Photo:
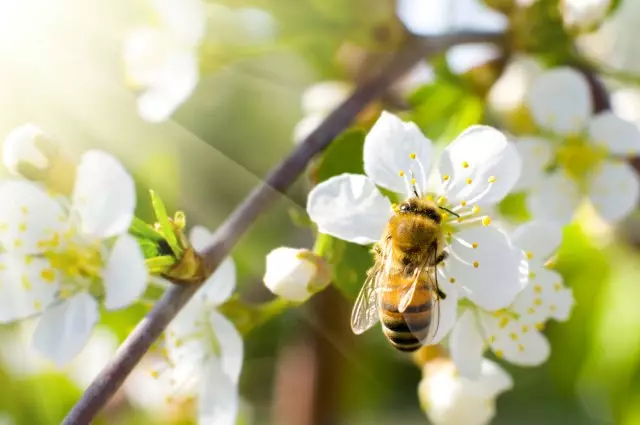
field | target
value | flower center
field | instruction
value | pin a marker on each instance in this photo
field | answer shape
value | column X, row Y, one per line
column 579, row 157
column 79, row 261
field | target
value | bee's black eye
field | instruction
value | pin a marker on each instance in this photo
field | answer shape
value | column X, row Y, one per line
column 405, row 208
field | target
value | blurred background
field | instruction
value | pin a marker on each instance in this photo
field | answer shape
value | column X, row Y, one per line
column 61, row 67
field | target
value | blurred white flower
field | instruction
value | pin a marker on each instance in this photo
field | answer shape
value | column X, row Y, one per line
column 583, row 14
column 450, row 399
column 318, row 101
column 476, row 171
column 514, row 333
column 59, row 259
column 295, row 274
column 26, row 145
column 510, row 90
column 162, row 60
column 583, row 155
column 6, row 419
column 204, row 348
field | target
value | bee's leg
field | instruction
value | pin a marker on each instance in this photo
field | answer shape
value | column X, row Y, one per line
column 441, row 257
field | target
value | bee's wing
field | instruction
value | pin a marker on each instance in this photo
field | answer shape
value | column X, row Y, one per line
column 365, row 311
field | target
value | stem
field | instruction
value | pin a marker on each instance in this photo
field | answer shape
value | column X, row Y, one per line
column 261, row 198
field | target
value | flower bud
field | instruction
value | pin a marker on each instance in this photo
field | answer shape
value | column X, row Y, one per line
column 448, row 398
column 27, row 148
column 30, row 153
column 295, row 274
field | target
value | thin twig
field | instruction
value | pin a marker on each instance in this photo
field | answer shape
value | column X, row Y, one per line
column 276, row 183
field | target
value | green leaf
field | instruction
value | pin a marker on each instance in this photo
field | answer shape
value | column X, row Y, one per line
column 514, row 207
column 142, row 230
column 163, row 219
column 344, row 155
column 149, row 248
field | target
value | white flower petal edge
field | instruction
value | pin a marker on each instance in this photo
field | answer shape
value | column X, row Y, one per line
column 392, row 147
column 288, row 273
column 231, row 346
column 538, row 239
column 20, row 146
column 467, row 346
column 65, row 328
column 200, row 237
column 349, row 207
column 618, row 136
column 125, row 276
column 325, row 96
column 535, row 153
column 27, row 216
column 492, row 273
column 480, row 166
column 220, row 285
column 104, row 195
column 218, row 399
column 555, row 199
column 560, row 100
column 614, row 190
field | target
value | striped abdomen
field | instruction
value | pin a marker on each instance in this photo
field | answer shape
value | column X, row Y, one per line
column 408, row 330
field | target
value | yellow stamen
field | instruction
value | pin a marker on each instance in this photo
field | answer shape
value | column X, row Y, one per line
column 529, row 255
column 465, row 164
column 469, row 181
column 412, row 155
column 492, row 179
column 476, row 264
column 486, row 220
column 474, row 245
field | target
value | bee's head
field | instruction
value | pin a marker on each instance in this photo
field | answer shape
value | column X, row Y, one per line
column 421, row 207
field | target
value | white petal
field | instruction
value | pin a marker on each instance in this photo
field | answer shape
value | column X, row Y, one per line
column 289, row 272
column 349, row 207
column 535, row 153
column 306, row 126
column 388, row 149
column 218, row 400
column 560, row 100
column 24, row 291
column 517, row 342
column 481, row 166
column 230, row 343
column 21, row 146
column 545, row 297
column 220, row 285
column 538, row 239
column 65, row 328
column 322, row 98
column 466, row 346
column 618, row 136
column 200, row 237
column 555, row 199
column 614, row 190
column 28, row 216
column 491, row 274
column 185, row 19
column 125, row 276
column 448, row 311
column 494, row 379
column 104, row 195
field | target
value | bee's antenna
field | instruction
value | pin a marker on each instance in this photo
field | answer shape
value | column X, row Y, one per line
column 449, row 211
column 413, row 185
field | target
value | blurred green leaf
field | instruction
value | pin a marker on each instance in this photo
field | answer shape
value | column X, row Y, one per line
column 514, row 207
column 344, row 155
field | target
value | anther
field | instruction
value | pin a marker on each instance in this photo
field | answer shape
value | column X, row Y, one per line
column 463, row 203
column 557, row 286
column 520, row 347
column 525, row 329
column 442, row 200
column 445, row 178
column 469, row 181
column 529, row 255
column 476, row 264
column 465, row 164
column 513, row 336
column 452, row 280
column 540, row 326
column 412, row 155
column 474, row 245
column 475, row 209
column 401, row 173
column 532, row 275
column 499, row 354
column 486, row 220
column 492, row 179
column 537, row 301
column 538, row 289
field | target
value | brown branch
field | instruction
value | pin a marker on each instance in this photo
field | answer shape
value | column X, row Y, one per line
column 276, row 183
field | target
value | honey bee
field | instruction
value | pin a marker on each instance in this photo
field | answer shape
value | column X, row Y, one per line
column 401, row 289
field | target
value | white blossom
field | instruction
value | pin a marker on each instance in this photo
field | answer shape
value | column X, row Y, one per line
column 295, row 274
column 27, row 145
column 451, row 399
column 204, row 348
column 476, row 171
column 318, row 101
column 514, row 333
column 583, row 14
column 59, row 259
column 583, row 155
column 162, row 60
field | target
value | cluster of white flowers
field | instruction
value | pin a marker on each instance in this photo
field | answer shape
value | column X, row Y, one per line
column 61, row 258
column 499, row 290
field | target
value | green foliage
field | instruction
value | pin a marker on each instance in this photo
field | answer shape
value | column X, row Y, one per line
column 514, row 207
column 344, row 155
